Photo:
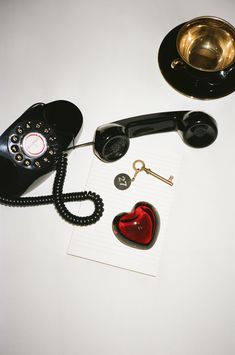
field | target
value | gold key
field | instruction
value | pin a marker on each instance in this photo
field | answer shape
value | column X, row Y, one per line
column 139, row 166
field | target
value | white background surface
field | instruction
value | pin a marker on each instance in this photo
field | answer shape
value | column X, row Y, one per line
column 102, row 55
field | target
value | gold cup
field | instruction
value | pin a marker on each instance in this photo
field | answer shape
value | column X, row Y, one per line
column 205, row 43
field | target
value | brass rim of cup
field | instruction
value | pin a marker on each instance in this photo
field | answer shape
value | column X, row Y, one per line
column 206, row 43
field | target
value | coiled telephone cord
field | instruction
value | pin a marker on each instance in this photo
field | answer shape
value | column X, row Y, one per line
column 58, row 198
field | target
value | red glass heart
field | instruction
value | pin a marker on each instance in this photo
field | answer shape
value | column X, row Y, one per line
column 138, row 228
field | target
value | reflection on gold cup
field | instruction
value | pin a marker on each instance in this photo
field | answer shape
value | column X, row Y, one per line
column 206, row 43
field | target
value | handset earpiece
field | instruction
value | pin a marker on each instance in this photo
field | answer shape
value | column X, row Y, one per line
column 196, row 128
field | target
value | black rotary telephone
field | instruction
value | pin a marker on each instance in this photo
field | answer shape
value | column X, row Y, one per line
column 36, row 142
column 32, row 147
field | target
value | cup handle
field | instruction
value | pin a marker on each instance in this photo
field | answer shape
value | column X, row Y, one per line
column 177, row 64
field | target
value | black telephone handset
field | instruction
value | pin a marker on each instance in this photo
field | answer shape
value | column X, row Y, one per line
column 32, row 147
column 196, row 128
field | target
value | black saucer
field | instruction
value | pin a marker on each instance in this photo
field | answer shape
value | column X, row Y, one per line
column 189, row 81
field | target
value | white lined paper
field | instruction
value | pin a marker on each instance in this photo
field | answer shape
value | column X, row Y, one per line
column 98, row 242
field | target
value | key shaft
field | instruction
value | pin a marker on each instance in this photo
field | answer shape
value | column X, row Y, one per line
column 167, row 181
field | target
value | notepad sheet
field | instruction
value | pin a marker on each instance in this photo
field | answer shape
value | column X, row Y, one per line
column 98, row 242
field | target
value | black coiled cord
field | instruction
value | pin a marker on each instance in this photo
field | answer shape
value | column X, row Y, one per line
column 59, row 199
